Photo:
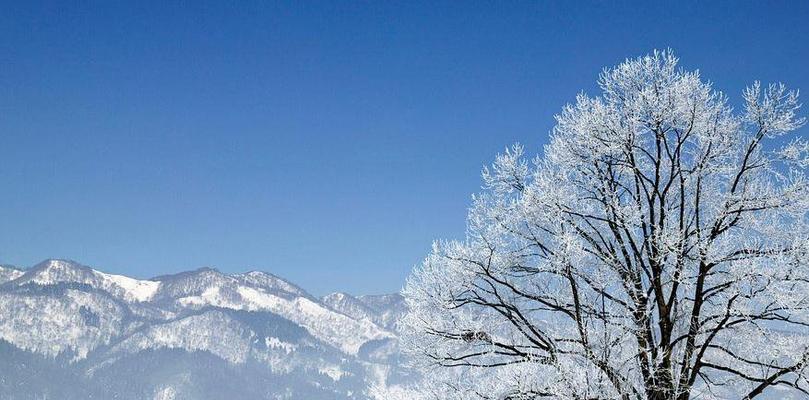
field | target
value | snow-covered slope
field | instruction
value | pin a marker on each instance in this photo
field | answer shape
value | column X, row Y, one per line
column 382, row 310
column 8, row 273
column 212, row 331
column 271, row 283
column 263, row 292
column 56, row 322
column 52, row 272
column 349, row 305
column 389, row 308
column 62, row 316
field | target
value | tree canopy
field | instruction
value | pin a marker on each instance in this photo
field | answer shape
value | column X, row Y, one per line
column 657, row 249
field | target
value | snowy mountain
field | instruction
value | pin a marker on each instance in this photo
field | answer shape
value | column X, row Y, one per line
column 383, row 310
column 8, row 273
column 199, row 334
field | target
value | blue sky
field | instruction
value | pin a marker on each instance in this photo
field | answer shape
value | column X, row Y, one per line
column 328, row 143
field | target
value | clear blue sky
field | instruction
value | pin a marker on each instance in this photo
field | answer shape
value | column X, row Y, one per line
column 326, row 143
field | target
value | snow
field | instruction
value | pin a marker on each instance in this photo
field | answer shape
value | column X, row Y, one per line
column 252, row 291
column 167, row 393
column 57, row 323
column 275, row 343
column 136, row 289
column 213, row 332
column 109, row 318
column 333, row 372
column 59, row 271
column 9, row 274
column 213, row 296
column 334, row 328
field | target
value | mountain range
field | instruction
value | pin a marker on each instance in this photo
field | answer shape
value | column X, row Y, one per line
column 68, row 331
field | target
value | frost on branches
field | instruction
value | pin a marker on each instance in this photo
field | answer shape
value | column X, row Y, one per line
column 658, row 250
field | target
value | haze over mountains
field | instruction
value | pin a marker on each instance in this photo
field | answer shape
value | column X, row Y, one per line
column 68, row 331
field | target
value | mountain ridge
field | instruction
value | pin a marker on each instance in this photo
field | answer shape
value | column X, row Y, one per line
column 65, row 315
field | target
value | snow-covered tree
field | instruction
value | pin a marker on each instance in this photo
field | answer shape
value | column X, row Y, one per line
column 659, row 249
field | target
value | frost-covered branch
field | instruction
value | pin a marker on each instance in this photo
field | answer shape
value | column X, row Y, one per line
column 659, row 249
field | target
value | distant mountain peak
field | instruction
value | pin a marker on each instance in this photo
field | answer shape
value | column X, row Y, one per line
column 57, row 263
column 52, row 271
column 252, row 322
column 9, row 273
column 272, row 282
column 383, row 310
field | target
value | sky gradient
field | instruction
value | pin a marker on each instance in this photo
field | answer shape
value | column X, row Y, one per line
column 328, row 143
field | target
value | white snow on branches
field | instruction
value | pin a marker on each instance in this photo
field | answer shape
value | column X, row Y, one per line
column 658, row 249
